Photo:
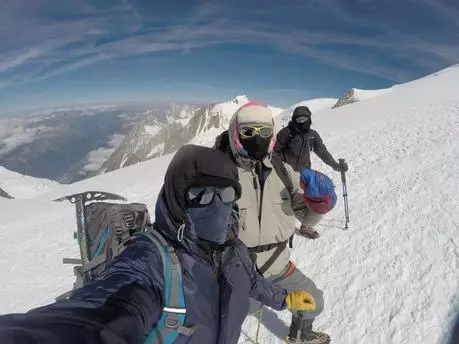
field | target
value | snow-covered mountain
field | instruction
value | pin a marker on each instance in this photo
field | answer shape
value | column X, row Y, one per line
column 195, row 124
column 355, row 95
column 68, row 144
column 73, row 143
column 392, row 277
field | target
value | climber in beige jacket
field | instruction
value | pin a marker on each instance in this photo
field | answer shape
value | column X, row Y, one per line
column 267, row 220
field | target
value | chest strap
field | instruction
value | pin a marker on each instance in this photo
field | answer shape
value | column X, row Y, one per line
column 280, row 246
column 267, row 247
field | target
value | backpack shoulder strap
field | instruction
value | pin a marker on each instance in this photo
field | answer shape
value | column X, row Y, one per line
column 171, row 322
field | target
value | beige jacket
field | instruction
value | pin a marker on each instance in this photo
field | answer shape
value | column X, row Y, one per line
column 277, row 217
column 277, row 222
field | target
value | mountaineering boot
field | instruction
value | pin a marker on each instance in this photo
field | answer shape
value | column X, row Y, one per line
column 310, row 338
column 309, row 232
column 307, row 335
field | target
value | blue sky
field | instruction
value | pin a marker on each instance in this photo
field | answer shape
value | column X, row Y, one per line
column 55, row 52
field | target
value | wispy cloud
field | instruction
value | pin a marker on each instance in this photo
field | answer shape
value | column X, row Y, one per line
column 61, row 37
column 449, row 10
column 20, row 59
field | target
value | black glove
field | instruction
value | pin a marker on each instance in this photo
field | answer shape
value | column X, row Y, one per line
column 341, row 167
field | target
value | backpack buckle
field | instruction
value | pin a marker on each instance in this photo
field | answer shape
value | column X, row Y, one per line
column 171, row 321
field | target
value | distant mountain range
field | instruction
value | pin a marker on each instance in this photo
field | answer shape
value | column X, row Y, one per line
column 70, row 144
column 149, row 138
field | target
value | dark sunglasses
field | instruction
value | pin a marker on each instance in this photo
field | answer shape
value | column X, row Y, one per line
column 302, row 119
column 247, row 131
column 202, row 196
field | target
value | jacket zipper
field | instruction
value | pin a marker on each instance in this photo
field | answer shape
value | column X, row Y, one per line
column 302, row 150
column 216, row 263
column 259, row 175
column 260, row 212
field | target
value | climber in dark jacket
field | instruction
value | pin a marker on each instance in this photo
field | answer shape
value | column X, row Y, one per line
column 195, row 215
column 296, row 141
column 293, row 146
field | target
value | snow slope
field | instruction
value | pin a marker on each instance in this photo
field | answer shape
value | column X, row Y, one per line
column 392, row 277
column 24, row 187
column 360, row 94
column 315, row 105
column 356, row 95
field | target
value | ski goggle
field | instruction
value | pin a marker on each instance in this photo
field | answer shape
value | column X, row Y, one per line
column 247, row 131
column 302, row 119
column 203, row 196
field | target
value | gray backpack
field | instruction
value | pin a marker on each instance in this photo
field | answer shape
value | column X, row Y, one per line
column 103, row 230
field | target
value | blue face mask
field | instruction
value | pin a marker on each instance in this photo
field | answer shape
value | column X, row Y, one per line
column 210, row 222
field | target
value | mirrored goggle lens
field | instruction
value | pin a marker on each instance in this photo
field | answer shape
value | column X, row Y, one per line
column 205, row 195
column 227, row 195
column 303, row 119
column 250, row 131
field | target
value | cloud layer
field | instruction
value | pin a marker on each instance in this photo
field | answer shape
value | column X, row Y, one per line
column 14, row 134
column 97, row 157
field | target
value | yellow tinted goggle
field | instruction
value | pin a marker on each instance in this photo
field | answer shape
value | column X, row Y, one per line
column 247, row 131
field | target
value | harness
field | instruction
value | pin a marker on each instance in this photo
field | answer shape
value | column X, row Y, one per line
column 279, row 246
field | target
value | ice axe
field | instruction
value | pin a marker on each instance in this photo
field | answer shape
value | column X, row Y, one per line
column 81, row 200
column 343, row 180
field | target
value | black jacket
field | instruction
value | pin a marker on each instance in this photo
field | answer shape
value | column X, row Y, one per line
column 294, row 147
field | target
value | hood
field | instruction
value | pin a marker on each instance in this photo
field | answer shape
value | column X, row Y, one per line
column 301, row 111
column 252, row 112
column 191, row 166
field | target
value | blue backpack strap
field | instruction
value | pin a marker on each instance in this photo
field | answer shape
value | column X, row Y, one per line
column 171, row 322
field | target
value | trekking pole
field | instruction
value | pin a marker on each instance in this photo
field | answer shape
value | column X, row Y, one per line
column 260, row 316
column 346, row 205
column 300, row 327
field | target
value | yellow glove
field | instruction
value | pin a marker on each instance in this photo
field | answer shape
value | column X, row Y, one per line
column 300, row 301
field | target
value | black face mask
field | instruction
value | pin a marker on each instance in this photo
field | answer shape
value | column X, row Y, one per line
column 303, row 127
column 256, row 146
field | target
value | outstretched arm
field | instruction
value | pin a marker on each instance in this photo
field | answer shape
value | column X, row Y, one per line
column 119, row 307
column 321, row 150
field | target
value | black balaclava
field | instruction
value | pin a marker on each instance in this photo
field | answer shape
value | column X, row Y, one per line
column 302, row 111
column 257, row 147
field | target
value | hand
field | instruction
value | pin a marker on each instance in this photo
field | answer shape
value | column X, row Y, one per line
column 300, row 300
column 341, row 167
